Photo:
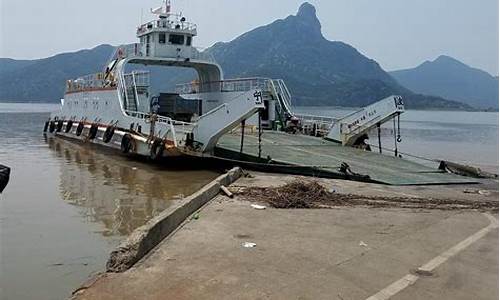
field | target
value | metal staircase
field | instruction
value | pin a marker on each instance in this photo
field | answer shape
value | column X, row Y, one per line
column 214, row 124
column 280, row 92
column 349, row 128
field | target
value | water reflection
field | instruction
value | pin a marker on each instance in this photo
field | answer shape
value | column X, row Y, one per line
column 117, row 192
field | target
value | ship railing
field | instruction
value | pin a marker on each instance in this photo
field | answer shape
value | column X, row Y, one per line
column 91, row 81
column 166, row 24
column 137, row 78
column 232, row 85
column 175, row 126
column 318, row 120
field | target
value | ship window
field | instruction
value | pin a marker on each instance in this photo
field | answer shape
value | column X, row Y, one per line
column 162, row 38
column 176, row 39
column 188, row 41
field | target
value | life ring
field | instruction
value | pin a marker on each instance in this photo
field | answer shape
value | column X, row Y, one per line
column 52, row 126
column 69, row 125
column 108, row 134
column 157, row 149
column 79, row 129
column 127, row 144
column 59, row 126
column 46, row 126
column 93, row 131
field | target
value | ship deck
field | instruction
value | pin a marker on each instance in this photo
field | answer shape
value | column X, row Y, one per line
column 317, row 157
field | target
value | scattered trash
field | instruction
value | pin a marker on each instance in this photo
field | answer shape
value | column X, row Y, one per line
column 332, row 190
column 363, row 244
column 249, row 245
column 134, row 168
column 484, row 193
column 242, row 236
column 476, row 191
column 471, row 191
column 196, row 216
column 422, row 272
column 258, row 207
column 226, row 191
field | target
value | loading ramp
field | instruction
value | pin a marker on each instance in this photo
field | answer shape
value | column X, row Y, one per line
column 305, row 153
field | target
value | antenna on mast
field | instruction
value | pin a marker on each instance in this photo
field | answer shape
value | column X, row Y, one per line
column 168, row 6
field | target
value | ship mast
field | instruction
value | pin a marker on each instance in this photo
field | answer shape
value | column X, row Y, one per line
column 168, row 6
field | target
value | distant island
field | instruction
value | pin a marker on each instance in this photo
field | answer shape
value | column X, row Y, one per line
column 318, row 72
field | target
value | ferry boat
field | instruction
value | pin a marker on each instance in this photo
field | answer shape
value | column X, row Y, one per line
column 118, row 107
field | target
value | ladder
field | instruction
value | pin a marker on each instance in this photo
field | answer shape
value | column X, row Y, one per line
column 130, row 91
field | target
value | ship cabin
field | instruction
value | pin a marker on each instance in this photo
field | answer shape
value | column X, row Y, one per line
column 166, row 37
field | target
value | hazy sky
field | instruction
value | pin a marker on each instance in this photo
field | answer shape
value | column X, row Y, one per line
column 396, row 33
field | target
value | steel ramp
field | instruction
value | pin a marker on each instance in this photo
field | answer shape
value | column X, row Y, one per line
column 327, row 156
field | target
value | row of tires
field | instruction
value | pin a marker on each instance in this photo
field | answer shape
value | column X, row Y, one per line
column 128, row 143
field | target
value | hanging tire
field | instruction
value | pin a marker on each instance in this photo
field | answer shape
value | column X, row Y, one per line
column 46, row 126
column 69, row 125
column 79, row 129
column 157, row 149
column 108, row 134
column 93, row 131
column 52, row 126
column 127, row 144
column 59, row 126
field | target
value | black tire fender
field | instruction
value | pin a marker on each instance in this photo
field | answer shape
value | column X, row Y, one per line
column 108, row 134
column 157, row 149
column 127, row 143
column 52, row 126
column 79, row 129
column 69, row 125
column 46, row 126
column 93, row 131
column 59, row 125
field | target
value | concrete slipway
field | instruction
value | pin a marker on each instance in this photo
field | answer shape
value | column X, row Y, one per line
column 322, row 158
column 342, row 253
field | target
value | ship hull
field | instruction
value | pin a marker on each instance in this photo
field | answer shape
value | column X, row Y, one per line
column 141, row 145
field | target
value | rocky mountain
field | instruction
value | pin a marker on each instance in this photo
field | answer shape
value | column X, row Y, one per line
column 449, row 78
column 318, row 72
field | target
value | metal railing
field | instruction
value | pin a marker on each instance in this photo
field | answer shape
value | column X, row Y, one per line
column 137, row 78
column 320, row 120
column 232, row 85
column 167, row 24
column 86, row 82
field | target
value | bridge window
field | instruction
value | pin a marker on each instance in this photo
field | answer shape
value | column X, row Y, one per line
column 176, row 39
column 188, row 41
column 162, row 38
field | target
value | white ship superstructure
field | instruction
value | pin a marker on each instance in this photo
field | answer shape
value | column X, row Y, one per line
column 116, row 107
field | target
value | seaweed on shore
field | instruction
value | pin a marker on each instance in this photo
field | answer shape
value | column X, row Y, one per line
column 310, row 194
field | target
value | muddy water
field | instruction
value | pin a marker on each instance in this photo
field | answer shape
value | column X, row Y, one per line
column 67, row 206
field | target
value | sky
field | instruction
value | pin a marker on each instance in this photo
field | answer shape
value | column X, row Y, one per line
column 397, row 34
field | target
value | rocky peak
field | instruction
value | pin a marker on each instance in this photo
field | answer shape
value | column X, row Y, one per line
column 309, row 22
column 307, row 10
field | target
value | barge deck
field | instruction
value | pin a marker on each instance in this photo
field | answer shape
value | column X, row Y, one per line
column 306, row 155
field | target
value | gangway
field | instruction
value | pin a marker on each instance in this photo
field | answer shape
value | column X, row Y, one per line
column 345, row 130
column 348, row 129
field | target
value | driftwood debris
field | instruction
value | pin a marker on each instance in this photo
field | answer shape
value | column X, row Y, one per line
column 311, row 194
